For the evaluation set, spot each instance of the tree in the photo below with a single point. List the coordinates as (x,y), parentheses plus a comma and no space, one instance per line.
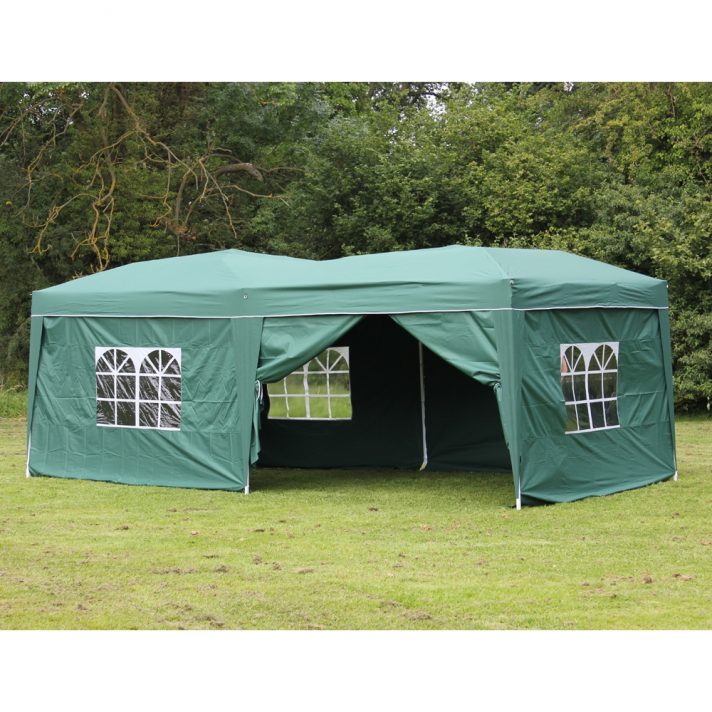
(97,175)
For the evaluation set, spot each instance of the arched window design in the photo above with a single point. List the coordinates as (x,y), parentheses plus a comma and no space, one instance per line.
(589,382)
(159,391)
(319,390)
(115,388)
(573,384)
(138,387)
(603,386)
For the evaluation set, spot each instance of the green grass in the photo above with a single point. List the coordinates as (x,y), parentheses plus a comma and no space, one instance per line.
(13,402)
(354,549)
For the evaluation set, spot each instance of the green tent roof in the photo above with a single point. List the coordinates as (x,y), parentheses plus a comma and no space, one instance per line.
(234,283)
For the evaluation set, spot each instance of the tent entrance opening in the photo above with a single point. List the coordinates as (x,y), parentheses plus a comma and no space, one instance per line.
(398,390)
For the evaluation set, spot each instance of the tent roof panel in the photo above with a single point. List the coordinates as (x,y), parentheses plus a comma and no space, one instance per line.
(239,283)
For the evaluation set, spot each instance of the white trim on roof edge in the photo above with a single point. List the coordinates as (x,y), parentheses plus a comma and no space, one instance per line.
(346,313)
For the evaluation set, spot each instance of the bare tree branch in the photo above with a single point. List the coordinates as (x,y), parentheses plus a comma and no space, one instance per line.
(201,179)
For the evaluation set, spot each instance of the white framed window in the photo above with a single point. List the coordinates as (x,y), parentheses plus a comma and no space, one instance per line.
(319,390)
(138,387)
(589,381)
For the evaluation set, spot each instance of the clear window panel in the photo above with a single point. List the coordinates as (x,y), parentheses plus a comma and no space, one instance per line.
(589,384)
(583,419)
(152,363)
(606,357)
(610,385)
(130,381)
(126,413)
(317,383)
(170,389)
(571,422)
(595,385)
(105,387)
(580,387)
(318,363)
(165,358)
(341,408)
(126,387)
(318,407)
(597,359)
(567,387)
(172,368)
(297,407)
(123,363)
(340,383)
(313,390)
(148,388)
(295,383)
(105,413)
(277,407)
(597,419)
(107,362)
(170,415)
(336,360)
(573,360)
(148,415)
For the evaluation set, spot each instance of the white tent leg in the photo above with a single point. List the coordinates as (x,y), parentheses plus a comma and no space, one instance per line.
(247,489)
(27,462)
(422,406)
(674,477)
(519,494)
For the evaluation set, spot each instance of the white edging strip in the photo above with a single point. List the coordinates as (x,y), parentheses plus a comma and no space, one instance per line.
(422,406)
(346,313)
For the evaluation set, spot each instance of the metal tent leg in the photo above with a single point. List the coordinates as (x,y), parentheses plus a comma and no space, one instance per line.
(27,462)
(422,406)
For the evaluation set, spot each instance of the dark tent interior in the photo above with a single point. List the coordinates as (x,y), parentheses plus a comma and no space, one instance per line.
(463,430)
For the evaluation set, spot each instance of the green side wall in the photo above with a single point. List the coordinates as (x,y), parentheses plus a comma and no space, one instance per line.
(558,467)
(219,358)
(517,423)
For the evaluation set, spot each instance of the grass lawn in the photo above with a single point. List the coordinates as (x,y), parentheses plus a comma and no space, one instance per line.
(354,549)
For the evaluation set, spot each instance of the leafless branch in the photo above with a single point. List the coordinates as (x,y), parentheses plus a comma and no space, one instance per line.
(200,179)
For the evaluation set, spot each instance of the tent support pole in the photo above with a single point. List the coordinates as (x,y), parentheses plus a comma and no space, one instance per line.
(29,445)
(422,405)
(674,477)
(519,494)
(247,489)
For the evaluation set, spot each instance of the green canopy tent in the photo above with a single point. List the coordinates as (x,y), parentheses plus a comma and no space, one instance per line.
(552,366)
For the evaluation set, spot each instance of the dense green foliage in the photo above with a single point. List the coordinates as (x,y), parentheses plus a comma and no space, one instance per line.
(362,549)
(98,175)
